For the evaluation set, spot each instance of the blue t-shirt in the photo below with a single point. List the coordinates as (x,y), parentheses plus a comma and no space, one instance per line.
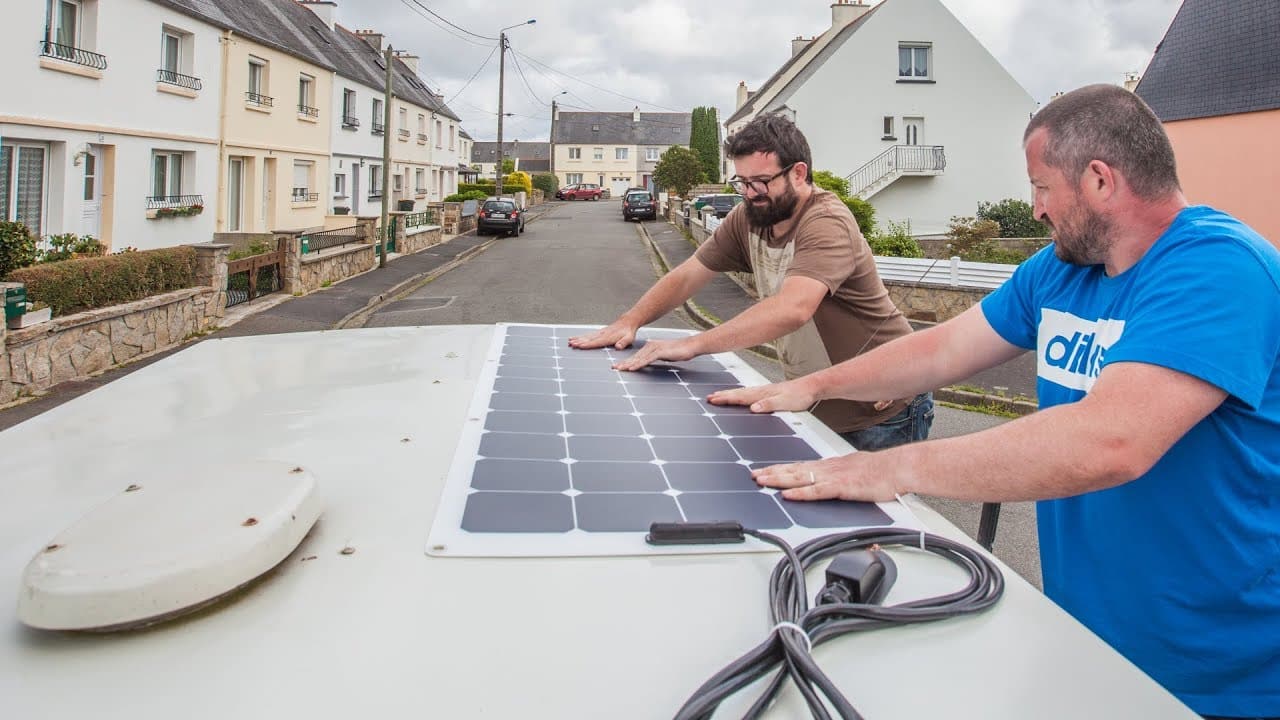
(1179,569)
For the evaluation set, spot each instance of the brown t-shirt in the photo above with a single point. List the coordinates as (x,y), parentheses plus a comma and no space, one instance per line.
(824,243)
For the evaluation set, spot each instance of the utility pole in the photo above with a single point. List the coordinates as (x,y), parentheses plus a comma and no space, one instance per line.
(502,71)
(386,162)
(551,140)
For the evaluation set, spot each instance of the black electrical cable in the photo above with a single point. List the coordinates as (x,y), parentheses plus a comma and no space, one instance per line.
(788,603)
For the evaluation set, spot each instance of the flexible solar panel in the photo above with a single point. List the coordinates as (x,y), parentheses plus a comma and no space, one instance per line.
(564,456)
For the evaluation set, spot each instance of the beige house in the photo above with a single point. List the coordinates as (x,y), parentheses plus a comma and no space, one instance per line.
(615,150)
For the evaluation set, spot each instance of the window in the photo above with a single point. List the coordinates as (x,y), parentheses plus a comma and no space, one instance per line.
(22,185)
(349,119)
(397,182)
(420,181)
(652,154)
(171,52)
(403,127)
(340,185)
(913,61)
(66,25)
(439,133)
(307,95)
(257,76)
(377,127)
(375,181)
(888,128)
(422,128)
(302,173)
(620,153)
(575,153)
(166,174)
(598,153)
(451,136)
(572,178)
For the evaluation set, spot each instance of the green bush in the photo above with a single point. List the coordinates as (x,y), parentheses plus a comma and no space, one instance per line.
(864,212)
(547,183)
(827,181)
(967,232)
(257,246)
(71,286)
(487,188)
(989,251)
(516,182)
(897,242)
(17,247)
(468,195)
(69,245)
(1016,218)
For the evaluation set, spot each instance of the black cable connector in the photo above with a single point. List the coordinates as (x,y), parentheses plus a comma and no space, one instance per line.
(859,576)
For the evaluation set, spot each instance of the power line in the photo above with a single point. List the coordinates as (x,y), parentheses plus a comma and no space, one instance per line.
(433,12)
(414,6)
(520,69)
(535,61)
(475,74)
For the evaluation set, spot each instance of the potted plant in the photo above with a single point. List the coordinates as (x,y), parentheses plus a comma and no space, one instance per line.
(36,312)
(341,210)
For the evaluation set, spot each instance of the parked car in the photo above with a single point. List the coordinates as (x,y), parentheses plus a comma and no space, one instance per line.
(567,189)
(582,191)
(723,203)
(499,216)
(639,204)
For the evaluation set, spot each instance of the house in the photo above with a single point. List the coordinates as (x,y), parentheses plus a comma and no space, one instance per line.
(1214,82)
(466,173)
(904,102)
(530,157)
(110,124)
(615,150)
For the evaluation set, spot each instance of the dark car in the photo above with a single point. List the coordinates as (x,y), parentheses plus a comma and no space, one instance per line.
(638,204)
(499,216)
(722,203)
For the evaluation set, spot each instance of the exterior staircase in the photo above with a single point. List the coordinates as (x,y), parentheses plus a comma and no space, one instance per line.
(894,163)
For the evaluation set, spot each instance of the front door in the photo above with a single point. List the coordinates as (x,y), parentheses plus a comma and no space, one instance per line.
(91,209)
(914,130)
(355,188)
(235,195)
(268,217)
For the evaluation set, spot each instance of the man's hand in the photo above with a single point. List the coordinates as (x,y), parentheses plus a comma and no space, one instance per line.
(849,477)
(618,334)
(766,398)
(655,350)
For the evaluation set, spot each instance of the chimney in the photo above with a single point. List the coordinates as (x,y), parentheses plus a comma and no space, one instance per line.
(1131,80)
(410,61)
(743,94)
(799,43)
(844,12)
(323,9)
(555,110)
(635,114)
(374,39)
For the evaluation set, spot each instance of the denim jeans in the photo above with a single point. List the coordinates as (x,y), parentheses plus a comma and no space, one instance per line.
(910,425)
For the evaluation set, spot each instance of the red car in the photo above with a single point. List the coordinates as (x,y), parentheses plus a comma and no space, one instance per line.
(583,191)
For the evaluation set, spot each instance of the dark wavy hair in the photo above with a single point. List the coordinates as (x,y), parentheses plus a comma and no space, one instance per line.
(773,133)
(1111,124)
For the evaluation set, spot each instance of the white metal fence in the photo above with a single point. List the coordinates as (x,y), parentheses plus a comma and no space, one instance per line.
(954,272)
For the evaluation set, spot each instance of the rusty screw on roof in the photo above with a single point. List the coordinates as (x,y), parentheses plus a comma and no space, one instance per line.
(133,488)
(51,548)
(348,550)
(250,522)
(296,470)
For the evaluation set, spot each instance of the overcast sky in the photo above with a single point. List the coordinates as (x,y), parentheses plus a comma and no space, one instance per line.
(672,55)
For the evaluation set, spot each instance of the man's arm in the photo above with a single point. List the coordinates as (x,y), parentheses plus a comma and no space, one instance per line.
(796,302)
(912,364)
(1128,421)
(672,289)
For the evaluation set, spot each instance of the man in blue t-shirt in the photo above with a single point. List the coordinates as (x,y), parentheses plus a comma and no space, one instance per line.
(1156,453)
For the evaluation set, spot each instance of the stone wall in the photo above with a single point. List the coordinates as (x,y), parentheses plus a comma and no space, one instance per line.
(421,240)
(317,270)
(36,358)
(937,246)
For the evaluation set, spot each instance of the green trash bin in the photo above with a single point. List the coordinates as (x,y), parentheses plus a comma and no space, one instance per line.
(306,245)
(15,299)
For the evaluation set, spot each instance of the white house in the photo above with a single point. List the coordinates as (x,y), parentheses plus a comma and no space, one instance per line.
(110,114)
(902,100)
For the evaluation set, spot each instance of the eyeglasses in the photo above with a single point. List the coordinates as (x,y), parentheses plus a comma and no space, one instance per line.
(759,187)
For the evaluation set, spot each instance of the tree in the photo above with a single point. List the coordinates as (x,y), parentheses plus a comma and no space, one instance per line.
(704,139)
(678,170)
(826,180)
(508,166)
(1015,217)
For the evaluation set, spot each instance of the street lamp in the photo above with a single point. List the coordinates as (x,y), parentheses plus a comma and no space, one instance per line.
(551,136)
(502,69)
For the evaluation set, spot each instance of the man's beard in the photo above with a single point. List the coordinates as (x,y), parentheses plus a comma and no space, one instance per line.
(773,210)
(1085,242)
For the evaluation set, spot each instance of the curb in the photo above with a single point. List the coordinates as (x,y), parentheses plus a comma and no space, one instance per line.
(416,281)
(952,395)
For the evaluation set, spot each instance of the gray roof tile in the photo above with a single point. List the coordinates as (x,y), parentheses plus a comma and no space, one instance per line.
(618,128)
(1217,58)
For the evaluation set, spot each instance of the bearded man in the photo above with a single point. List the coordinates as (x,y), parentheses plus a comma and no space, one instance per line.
(821,299)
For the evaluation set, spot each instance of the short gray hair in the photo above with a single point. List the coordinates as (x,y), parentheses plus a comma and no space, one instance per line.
(1111,124)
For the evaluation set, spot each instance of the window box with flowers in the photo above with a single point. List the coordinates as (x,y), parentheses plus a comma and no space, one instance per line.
(169,206)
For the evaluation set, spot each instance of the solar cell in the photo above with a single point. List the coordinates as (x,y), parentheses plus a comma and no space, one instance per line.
(565,456)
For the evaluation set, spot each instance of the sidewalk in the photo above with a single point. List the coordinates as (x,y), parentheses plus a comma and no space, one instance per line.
(723,299)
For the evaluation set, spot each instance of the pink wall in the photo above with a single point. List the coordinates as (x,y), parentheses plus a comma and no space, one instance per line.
(1232,162)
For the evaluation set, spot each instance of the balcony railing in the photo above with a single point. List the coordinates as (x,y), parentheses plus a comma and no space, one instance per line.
(254,98)
(156,202)
(404,133)
(73,54)
(308,111)
(301,194)
(349,121)
(377,128)
(174,78)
